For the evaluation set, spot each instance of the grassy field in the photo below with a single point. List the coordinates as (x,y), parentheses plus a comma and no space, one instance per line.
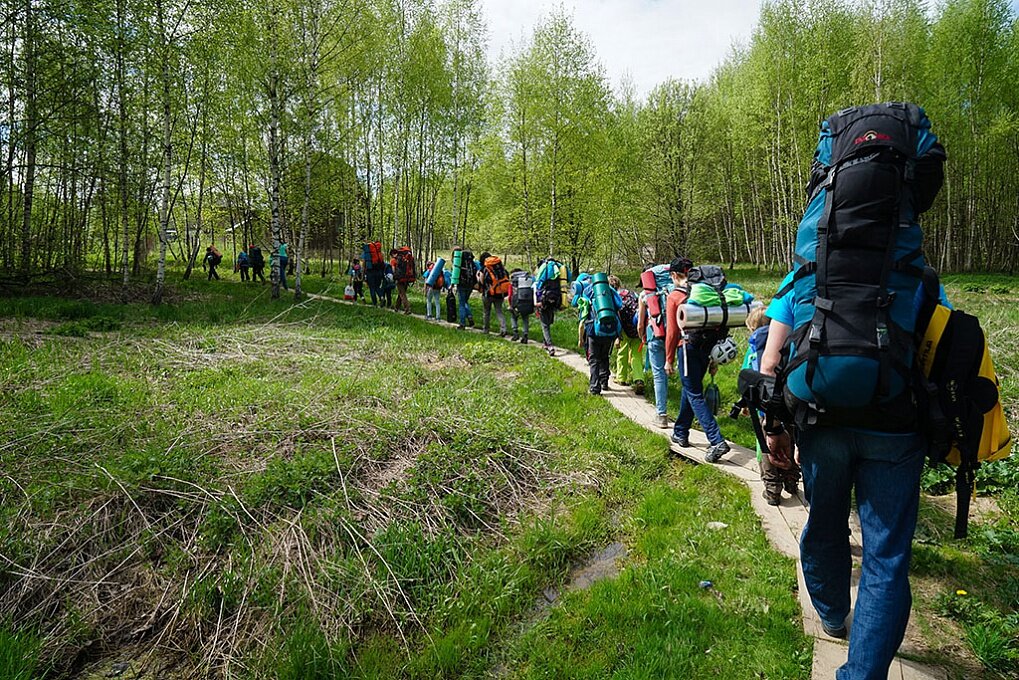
(234,486)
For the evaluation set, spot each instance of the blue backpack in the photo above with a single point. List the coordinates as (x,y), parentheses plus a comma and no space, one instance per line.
(858,263)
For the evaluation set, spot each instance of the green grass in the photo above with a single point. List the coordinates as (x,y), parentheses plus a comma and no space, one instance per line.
(321,490)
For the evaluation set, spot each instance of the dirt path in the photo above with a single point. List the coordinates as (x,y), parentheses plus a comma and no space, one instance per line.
(782,523)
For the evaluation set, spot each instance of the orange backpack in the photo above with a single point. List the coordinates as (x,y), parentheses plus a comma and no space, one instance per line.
(497,278)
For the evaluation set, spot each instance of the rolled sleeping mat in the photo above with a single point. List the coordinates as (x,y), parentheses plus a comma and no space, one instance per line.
(602,300)
(653,302)
(436,272)
(457,262)
(693,316)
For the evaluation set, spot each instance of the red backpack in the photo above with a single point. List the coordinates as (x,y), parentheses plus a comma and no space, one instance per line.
(375,253)
(404,270)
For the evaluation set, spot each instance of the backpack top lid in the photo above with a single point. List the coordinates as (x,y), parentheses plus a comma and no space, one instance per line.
(859,130)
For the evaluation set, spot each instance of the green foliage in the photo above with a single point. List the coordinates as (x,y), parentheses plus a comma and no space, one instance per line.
(19,655)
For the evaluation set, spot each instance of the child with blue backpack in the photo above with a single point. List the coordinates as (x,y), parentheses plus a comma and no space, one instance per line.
(774,478)
(599,306)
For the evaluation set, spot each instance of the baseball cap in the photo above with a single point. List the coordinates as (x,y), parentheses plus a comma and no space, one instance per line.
(680,265)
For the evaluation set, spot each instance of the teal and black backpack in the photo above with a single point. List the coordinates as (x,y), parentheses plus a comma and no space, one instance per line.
(858,263)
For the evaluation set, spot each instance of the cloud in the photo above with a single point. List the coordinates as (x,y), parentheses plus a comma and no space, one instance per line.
(647,41)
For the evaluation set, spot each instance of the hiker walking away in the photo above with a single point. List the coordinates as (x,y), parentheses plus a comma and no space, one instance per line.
(357,279)
(694,362)
(243,263)
(404,273)
(212,259)
(521,304)
(866,443)
(283,264)
(651,325)
(494,284)
(257,262)
(773,477)
(550,280)
(600,327)
(388,284)
(433,291)
(374,270)
(464,274)
(629,360)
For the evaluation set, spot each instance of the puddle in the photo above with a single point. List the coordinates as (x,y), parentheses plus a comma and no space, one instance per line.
(599,566)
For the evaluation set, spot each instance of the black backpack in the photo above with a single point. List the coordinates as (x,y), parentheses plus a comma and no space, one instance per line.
(552,294)
(711,275)
(628,312)
(468,270)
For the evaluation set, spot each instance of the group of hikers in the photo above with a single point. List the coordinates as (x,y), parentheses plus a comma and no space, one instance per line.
(250,263)
(856,370)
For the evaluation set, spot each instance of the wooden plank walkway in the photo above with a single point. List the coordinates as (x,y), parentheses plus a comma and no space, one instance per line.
(782,524)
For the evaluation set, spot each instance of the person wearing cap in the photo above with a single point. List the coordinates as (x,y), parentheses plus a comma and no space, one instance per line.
(694,364)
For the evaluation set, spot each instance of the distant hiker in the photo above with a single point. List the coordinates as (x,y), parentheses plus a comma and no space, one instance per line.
(433,291)
(550,280)
(521,297)
(656,283)
(388,285)
(464,278)
(212,259)
(243,263)
(774,478)
(404,273)
(601,328)
(694,363)
(629,361)
(283,264)
(357,278)
(494,284)
(374,270)
(257,263)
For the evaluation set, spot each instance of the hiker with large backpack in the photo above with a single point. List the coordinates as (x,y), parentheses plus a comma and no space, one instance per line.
(494,284)
(257,263)
(599,310)
(242,266)
(284,260)
(435,283)
(212,259)
(464,278)
(551,279)
(357,279)
(848,384)
(656,282)
(404,273)
(629,359)
(374,270)
(694,349)
(521,304)
(388,285)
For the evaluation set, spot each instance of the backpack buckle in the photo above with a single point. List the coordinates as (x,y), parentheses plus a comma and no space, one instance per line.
(882,337)
(815,333)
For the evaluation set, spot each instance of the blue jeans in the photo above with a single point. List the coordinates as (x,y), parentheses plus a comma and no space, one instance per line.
(374,282)
(433,296)
(463,294)
(885,472)
(691,402)
(656,358)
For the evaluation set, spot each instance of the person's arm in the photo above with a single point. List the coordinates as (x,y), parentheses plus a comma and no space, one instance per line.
(777,334)
(641,318)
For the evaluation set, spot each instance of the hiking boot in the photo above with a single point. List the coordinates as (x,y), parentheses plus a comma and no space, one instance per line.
(682,442)
(638,388)
(515,337)
(792,488)
(460,327)
(470,321)
(594,391)
(550,349)
(716,452)
(840,631)
(523,341)
(663,422)
(772,497)
(605,386)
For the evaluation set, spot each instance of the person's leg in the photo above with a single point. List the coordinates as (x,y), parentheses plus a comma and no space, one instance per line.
(604,346)
(463,296)
(401,297)
(501,316)
(547,318)
(428,302)
(526,328)
(827,454)
(373,290)
(486,303)
(656,357)
(771,476)
(623,363)
(283,273)
(693,393)
(636,360)
(887,481)
(594,383)
(515,316)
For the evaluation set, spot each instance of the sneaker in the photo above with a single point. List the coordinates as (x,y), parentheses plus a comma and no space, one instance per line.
(638,388)
(772,497)
(683,442)
(460,327)
(594,391)
(550,349)
(716,452)
(663,422)
(470,321)
(523,341)
(514,337)
(840,631)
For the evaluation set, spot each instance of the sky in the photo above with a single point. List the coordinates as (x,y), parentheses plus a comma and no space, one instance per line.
(645,40)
